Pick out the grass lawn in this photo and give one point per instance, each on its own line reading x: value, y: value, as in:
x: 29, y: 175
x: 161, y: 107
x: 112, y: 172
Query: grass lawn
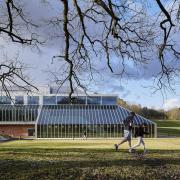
x: 167, y: 123
x: 168, y: 131
x: 88, y: 159
x: 168, y: 128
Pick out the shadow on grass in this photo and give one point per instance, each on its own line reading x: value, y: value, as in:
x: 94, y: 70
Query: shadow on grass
x: 100, y: 157
x: 81, y: 150
x: 94, y: 163
x: 77, y: 163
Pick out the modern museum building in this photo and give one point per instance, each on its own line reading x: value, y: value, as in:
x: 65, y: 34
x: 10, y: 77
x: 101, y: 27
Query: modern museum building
x: 48, y: 113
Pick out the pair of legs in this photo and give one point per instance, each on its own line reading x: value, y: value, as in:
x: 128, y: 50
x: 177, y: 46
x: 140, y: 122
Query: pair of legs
x: 127, y: 137
x: 140, y: 141
x: 125, y: 140
x: 84, y: 137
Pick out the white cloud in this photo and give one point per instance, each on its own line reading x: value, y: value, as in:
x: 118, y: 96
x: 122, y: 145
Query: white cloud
x: 171, y: 103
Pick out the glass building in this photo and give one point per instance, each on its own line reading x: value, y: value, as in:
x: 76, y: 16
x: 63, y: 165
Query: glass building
x: 53, y: 116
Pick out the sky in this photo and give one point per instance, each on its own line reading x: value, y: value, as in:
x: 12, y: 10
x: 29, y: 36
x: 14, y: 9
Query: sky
x: 135, y: 90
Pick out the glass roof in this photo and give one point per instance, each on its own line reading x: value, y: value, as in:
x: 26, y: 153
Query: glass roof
x: 86, y: 114
x: 17, y: 106
x: 18, y: 113
x: 69, y: 114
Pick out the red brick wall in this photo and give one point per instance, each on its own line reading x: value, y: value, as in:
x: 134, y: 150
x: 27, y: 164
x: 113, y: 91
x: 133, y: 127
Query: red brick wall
x: 15, y: 130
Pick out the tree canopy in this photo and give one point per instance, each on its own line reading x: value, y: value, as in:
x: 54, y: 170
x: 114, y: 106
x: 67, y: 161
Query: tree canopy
x: 90, y: 32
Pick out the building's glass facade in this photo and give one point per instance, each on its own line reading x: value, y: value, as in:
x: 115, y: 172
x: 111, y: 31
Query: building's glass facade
x: 50, y: 100
x: 94, y: 100
x: 33, y: 100
x: 79, y: 100
x: 47, y: 100
x: 5, y: 100
x: 55, y: 116
x: 19, y: 100
x: 109, y: 100
x: 71, y: 121
x: 18, y: 113
x: 62, y: 100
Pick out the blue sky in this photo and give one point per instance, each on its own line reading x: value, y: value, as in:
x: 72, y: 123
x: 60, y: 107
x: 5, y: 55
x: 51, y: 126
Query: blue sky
x: 135, y: 90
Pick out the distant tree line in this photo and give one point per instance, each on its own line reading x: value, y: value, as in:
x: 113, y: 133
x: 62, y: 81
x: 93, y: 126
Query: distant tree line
x: 172, y: 114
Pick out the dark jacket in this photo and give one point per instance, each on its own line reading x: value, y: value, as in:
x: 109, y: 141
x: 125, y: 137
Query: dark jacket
x: 139, y: 132
x: 128, y: 122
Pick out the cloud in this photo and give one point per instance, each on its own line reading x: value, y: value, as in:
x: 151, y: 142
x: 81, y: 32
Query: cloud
x: 127, y: 93
x: 171, y: 103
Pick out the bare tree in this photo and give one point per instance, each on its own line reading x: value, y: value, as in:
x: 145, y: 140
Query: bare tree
x: 101, y: 29
x: 15, y: 24
x: 12, y: 75
x: 15, y: 27
x: 113, y: 28
x: 168, y: 45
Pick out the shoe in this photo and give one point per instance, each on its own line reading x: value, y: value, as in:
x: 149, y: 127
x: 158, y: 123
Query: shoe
x: 130, y: 150
x: 116, y: 147
x: 145, y: 151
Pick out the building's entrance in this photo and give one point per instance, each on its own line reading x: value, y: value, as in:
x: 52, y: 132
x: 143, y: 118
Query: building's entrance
x: 31, y: 131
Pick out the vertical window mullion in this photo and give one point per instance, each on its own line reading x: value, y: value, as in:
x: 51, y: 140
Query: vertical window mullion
x: 43, y: 122
x: 72, y: 128
x: 112, y: 119
x: 62, y: 118
x: 98, y: 121
x: 101, y: 120
x: 122, y: 116
x: 93, y: 118
x: 117, y: 121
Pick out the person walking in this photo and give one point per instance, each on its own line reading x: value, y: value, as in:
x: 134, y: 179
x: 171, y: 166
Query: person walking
x: 84, y: 135
x: 128, y: 123
x: 139, y: 132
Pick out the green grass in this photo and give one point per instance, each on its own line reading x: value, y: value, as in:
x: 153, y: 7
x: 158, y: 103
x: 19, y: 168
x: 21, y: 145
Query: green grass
x: 167, y: 123
x: 88, y: 159
x: 168, y: 128
x: 171, y: 132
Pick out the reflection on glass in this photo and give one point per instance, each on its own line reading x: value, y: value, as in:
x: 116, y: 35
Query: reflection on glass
x: 109, y: 100
x: 63, y: 100
x: 49, y: 100
x: 5, y: 100
x: 73, y: 121
x: 19, y: 100
x: 79, y: 100
x: 33, y: 99
x: 94, y: 100
x: 18, y: 113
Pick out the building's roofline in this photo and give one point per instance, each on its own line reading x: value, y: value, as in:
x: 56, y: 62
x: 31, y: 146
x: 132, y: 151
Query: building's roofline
x: 75, y: 95
x: 17, y: 123
x: 78, y: 95
x: 45, y: 90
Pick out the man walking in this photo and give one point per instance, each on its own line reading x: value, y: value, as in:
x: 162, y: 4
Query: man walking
x: 139, y: 132
x: 127, y: 131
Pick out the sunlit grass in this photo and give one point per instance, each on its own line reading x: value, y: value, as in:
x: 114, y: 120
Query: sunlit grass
x: 161, y: 144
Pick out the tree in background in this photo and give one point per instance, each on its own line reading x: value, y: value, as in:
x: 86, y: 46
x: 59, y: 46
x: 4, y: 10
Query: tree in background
x: 173, y: 114
x: 144, y: 111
